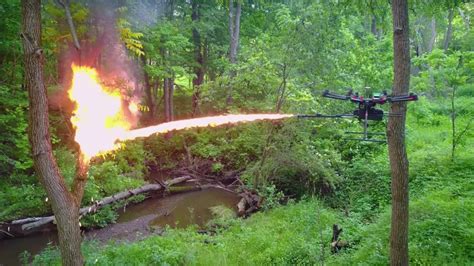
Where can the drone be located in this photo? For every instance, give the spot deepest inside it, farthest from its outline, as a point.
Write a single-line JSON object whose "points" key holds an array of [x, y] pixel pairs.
{"points": [[366, 111]]}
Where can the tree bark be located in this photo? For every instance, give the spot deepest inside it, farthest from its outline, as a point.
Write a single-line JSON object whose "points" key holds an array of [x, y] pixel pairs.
{"points": [[150, 96], [65, 206], [449, 30], [432, 41], [168, 91], [70, 22], [465, 18], [198, 55], [396, 136], [282, 89], [234, 32], [234, 29], [453, 123]]}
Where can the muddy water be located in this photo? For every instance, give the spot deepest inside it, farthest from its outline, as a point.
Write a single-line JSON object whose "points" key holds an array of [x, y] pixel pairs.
{"points": [[178, 211], [182, 210], [11, 249]]}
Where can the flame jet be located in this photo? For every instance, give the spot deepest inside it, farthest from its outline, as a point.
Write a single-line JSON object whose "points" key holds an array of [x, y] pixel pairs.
{"points": [[200, 122], [100, 117]]}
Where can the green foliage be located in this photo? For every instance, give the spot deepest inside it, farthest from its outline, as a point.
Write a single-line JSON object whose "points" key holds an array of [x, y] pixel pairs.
{"points": [[166, 45], [223, 217], [365, 189], [110, 180], [295, 163], [103, 217], [22, 201], [15, 159], [131, 159], [128, 36], [440, 231], [66, 161], [272, 197]]}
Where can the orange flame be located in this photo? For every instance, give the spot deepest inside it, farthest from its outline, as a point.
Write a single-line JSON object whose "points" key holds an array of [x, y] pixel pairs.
{"points": [[100, 121], [200, 122], [98, 117]]}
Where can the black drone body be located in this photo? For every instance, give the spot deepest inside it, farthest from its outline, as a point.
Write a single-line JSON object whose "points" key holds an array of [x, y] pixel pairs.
{"points": [[366, 110]]}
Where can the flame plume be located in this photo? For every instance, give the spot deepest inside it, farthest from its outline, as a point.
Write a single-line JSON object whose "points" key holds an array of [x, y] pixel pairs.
{"points": [[200, 122], [98, 117], [100, 121]]}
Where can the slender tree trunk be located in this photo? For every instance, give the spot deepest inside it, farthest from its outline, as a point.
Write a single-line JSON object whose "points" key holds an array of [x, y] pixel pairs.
{"points": [[453, 123], [168, 89], [70, 22], [396, 136], [198, 55], [165, 99], [234, 32], [432, 41], [282, 89], [465, 18], [65, 205], [449, 30], [150, 96], [373, 27], [235, 10], [171, 95]]}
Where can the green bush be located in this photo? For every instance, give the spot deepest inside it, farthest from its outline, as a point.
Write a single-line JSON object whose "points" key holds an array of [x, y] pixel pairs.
{"points": [[132, 159], [23, 201], [110, 180], [295, 163], [440, 233], [66, 161], [15, 158], [103, 217]]}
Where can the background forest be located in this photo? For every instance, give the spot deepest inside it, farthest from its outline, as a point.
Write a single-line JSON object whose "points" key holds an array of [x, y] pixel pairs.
{"points": [[192, 58]]}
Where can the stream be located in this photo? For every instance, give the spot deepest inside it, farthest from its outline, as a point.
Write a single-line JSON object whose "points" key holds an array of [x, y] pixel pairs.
{"points": [[135, 221]]}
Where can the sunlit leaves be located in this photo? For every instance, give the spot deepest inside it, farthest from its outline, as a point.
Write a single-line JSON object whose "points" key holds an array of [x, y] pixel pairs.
{"points": [[130, 38]]}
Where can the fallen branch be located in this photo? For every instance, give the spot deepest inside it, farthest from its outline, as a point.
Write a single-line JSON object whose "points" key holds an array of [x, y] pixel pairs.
{"points": [[26, 220], [30, 223]]}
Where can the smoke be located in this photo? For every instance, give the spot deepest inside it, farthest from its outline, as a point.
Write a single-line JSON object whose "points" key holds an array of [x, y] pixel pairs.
{"points": [[146, 13], [103, 49]]}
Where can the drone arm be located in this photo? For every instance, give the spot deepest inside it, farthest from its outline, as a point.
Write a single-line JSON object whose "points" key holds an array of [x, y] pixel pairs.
{"points": [[331, 95], [403, 98]]}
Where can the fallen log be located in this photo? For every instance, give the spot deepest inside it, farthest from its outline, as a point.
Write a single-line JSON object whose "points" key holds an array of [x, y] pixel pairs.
{"points": [[179, 189], [26, 220], [249, 203], [31, 223]]}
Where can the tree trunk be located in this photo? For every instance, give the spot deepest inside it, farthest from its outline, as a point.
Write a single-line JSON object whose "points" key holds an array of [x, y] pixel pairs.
{"points": [[449, 30], [396, 136], [282, 89], [465, 18], [168, 88], [150, 96], [198, 55], [70, 22], [234, 29], [432, 41], [453, 123], [65, 205], [234, 32]]}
